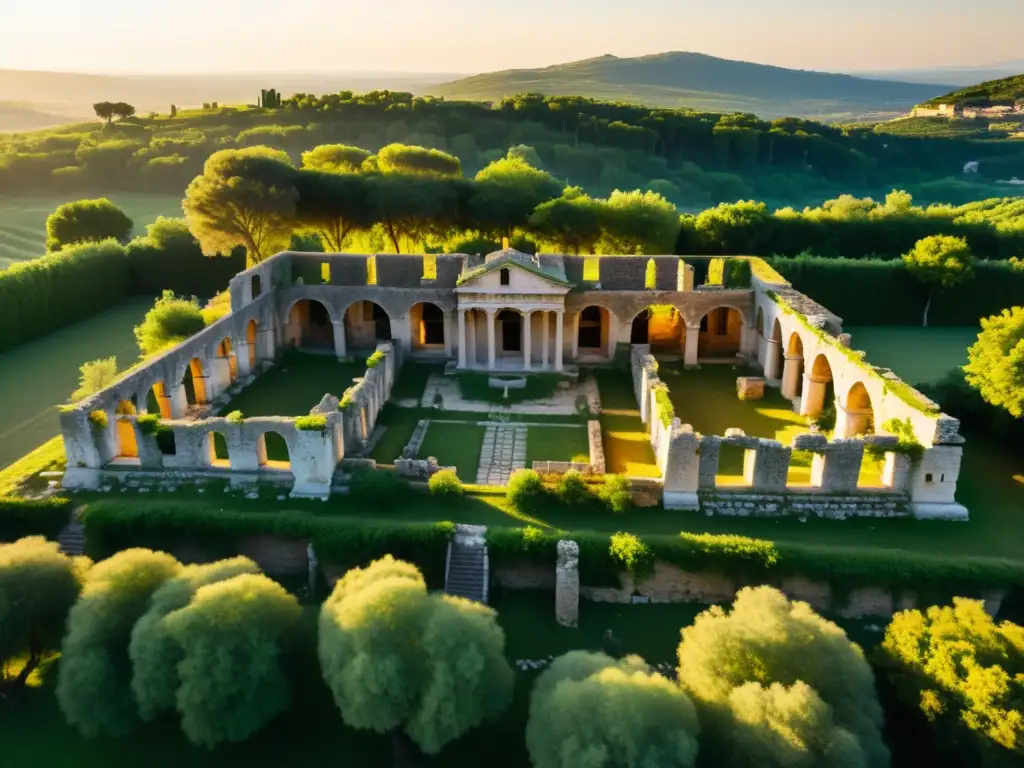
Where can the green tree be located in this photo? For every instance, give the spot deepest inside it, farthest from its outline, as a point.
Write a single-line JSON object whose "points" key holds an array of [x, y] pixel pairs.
{"points": [[94, 376], [231, 635], [733, 228], [416, 208], [404, 159], [767, 639], [335, 158], [154, 653], [588, 710], [507, 192], [123, 110], [38, 586], [639, 222], [965, 674], [333, 205], [571, 224], [939, 262], [171, 320], [94, 678], [104, 110], [995, 362], [243, 197], [427, 667], [87, 221]]}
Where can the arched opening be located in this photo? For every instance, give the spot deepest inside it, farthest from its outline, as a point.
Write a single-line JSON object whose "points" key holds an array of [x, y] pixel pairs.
{"points": [[720, 332], [510, 327], [250, 339], [426, 323], [366, 325], [272, 450], [195, 383], [127, 445], [310, 326], [157, 400], [591, 330], [793, 369], [255, 286], [226, 352], [858, 417], [662, 326], [773, 356], [639, 332], [817, 401], [505, 276], [760, 322], [218, 447]]}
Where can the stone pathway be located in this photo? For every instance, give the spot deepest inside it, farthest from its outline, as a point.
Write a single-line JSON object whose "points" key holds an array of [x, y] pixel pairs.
{"points": [[503, 452], [562, 402]]}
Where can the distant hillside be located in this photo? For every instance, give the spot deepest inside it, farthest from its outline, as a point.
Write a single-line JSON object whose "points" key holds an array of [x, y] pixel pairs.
{"points": [[956, 76], [988, 94], [702, 82], [19, 116]]}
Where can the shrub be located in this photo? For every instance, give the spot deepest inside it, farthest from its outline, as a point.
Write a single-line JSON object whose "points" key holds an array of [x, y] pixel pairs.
{"points": [[311, 423], [171, 321], [571, 489], [617, 493], [378, 487], [525, 490], [445, 483], [235, 417], [94, 376], [149, 423], [375, 359], [632, 555], [28, 517], [98, 419], [86, 221], [737, 273]]}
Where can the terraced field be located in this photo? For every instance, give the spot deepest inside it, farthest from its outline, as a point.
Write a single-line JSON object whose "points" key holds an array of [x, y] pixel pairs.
{"points": [[23, 219]]}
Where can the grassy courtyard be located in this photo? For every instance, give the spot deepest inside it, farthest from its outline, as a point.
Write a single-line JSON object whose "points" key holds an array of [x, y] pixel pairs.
{"points": [[41, 375], [455, 445], [917, 355], [627, 448]]}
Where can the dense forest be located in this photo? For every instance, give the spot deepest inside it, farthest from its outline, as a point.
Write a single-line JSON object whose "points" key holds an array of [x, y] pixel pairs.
{"points": [[1002, 92], [694, 159]]}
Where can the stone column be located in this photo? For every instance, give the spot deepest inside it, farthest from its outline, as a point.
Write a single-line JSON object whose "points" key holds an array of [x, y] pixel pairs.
{"points": [[448, 334], [771, 359], [462, 338], [545, 332], [340, 348], [791, 376], [266, 346], [612, 336], [574, 336], [766, 467], [242, 359], [220, 376], [682, 464], [896, 471], [527, 340], [813, 401], [490, 340], [471, 338], [179, 403], [559, 338], [690, 349], [567, 584]]}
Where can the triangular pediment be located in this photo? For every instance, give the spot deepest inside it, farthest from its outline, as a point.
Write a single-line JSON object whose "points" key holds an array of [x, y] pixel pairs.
{"points": [[548, 275]]}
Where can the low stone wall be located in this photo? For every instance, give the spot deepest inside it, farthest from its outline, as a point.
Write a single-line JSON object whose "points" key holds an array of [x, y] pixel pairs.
{"points": [[364, 400], [412, 448], [722, 502], [596, 466], [525, 577]]}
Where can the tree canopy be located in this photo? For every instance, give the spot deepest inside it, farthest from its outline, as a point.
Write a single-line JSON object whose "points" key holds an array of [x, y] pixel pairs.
{"points": [[405, 159], [767, 639], [639, 223], [230, 634], [588, 710], [940, 262], [171, 320], [94, 376], [995, 362], [87, 221], [508, 190], [94, 678], [571, 223], [38, 587], [965, 673], [243, 197], [335, 158], [401, 661]]}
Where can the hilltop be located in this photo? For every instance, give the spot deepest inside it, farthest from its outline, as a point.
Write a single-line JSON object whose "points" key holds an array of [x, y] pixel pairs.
{"points": [[702, 82], [1004, 91]]}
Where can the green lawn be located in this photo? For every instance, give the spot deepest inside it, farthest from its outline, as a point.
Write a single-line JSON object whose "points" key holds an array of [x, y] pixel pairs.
{"points": [[42, 374], [295, 385], [917, 355], [627, 448], [412, 380], [557, 444], [23, 219], [455, 445]]}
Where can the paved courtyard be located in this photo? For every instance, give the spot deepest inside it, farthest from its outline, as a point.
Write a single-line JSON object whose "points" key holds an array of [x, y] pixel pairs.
{"points": [[503, 452]]}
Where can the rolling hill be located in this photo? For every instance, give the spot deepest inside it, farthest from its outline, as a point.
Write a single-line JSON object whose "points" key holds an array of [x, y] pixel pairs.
{"points": [[703, 82], [1006, 90]]}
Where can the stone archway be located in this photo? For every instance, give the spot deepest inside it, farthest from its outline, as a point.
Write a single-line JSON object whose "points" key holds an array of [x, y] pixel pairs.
{"points": [[272, 450], [509, 333], [218, 449], [310, 326], [817, 384], [196, 383], [251, 331], [227, 360], [127, 444], [793, 371], [427, 327], [721, 332], [367, 324], [158, 400], [857, 416], [662, 326], [774, 358]]}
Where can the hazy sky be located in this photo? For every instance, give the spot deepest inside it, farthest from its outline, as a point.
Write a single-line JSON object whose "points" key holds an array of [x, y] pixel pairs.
{"points": [[481, 35]]}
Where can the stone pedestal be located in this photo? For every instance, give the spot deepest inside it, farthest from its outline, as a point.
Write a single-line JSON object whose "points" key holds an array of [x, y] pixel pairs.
{"points": [[750, 388], [682, 466], [567, 584]]}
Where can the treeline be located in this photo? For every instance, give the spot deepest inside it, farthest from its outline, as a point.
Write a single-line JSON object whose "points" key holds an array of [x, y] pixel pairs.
{"points": [[414, 198], [694, 159], [38, 296]]}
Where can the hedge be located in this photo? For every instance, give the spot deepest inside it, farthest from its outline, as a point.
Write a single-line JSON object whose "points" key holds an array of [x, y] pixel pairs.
{"points": [[33, 517], [111, 526], [759, 560], [876, 292]]}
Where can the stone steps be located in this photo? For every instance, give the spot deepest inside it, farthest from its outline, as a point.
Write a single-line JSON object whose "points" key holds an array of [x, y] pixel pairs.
{"points": [[72, 539], [503, 451], [468, 564]]}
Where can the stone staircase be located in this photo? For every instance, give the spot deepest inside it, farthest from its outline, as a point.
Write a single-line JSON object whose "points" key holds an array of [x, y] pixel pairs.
{"points": [[72, 536], [467, 571]]}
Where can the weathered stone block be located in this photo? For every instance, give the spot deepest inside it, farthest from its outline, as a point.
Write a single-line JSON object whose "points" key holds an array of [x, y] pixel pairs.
{"points": [[567, 584], [750, 388]]}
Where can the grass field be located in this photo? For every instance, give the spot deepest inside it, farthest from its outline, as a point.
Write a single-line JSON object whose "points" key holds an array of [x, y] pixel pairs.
{"points": [[23, 219], [917, 355], [557, 444], [39, 376], [455, 445]]}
